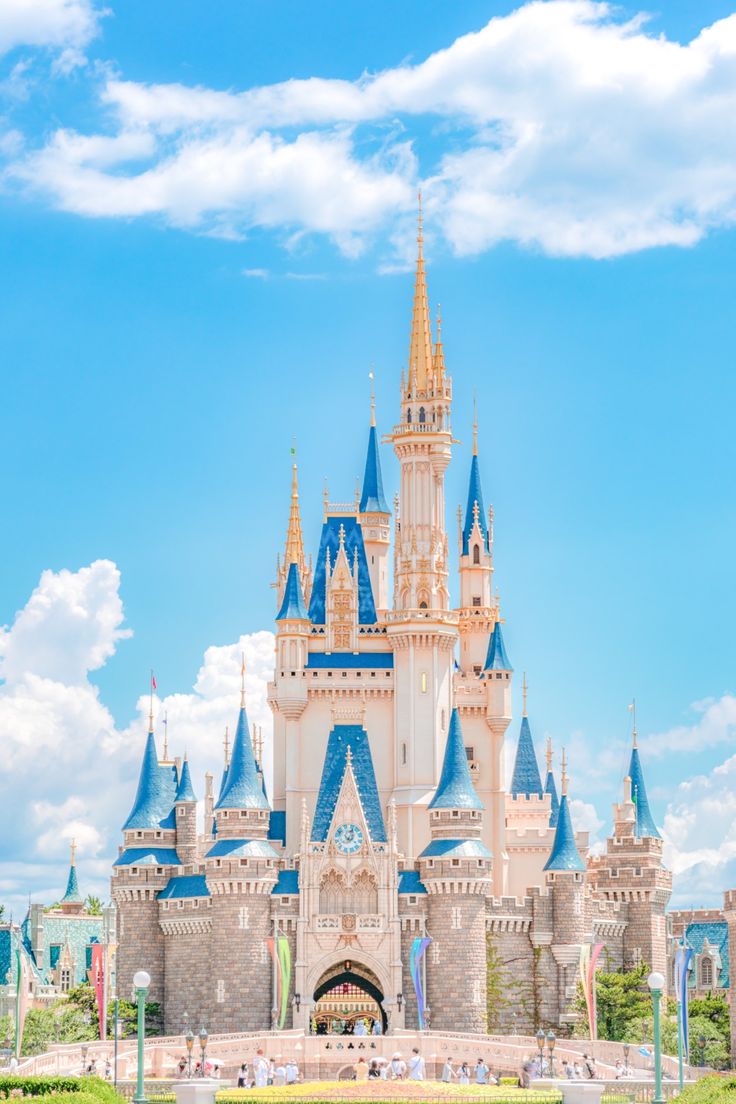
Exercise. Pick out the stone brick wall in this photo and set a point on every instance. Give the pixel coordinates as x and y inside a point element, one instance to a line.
<point>568,893</point>
<point>141,947</point>
<point>186,832</point>
<point>188,976</point>
<point>240,969</point>
<point>456,971</point>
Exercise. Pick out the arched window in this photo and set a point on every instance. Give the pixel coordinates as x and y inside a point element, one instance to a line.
<point>476,553</point>
<point>422,414</point>
<point>365,893</point>
<point>332,893</point>
<point>706,973</point>
<point>408,415</point>
<point>422,605</point>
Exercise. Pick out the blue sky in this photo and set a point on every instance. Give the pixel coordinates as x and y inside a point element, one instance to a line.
<point>191,277</point>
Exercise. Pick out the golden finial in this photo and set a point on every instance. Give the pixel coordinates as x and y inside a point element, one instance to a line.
<point>372,378</point>
<point>227,747</point>
<point>326,497</point>
<point>632,710</point>
<point>563,788</point>
<point>475,425</point>
<point>242,681</point>
<point>74,852</point>
<point>549,755</point>
<point>524,690</point>
<point>420,222</point>
<point>294,552</point>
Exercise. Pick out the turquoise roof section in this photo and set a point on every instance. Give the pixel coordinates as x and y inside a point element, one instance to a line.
<point>455,789</point>
<point>293,607</point>
<point>148,856</point>
<point>564,855</point>
<point>72,896</point>
<point>372,500</point>
<point>716,935</point>
<point>410,882</point>
<point>496,658</point>
<point>550,787</point>
<point>331,539</point>
<point>277,826</point>
<point>7,958</point>
<point>526,779</point>
<point>455,849</point>
<point>243,788</point>
<point>475,494</point>
<point>185,790</point>
<point>334,661</point>
<point>154,801</point>
<point>341,738</point>
<point>77,932</point>
<point>644,826</point>
<point>287,883</point>
<point>241,849</point>
<point>191,885</point>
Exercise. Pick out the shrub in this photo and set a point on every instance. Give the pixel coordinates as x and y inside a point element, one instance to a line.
<point>93,1088</point>
<point>710,1090</point>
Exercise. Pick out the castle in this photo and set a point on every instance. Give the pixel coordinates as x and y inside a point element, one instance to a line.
<point>389,872</point>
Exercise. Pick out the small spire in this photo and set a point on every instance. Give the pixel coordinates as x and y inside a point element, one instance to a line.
<point>326,498</point>
<point>372,378</point>
<point>342,537</point>
<point>150,709</point>
<point>420,345</point>
<point>475,425</point>
<point>357,495</point>
<point>549,755</point>
<point>632,710</point>
<point>74,852</point>
<point>227,747</point>
<point>349,756</point>
<point>166,736</point>
<point>563,780</point>
<point>438,362</point>
<point>294,551</point>
<point>242,681</point>
<point>524,691</point>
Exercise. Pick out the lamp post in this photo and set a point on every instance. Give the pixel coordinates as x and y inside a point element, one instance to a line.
<point>701,1045</point>
<point>399,1001</point>
<point>189,1040</point>
<point>203,1037</point>
<point>141,982</point>
<point>540,1044</point>
<point>551,1040</point>
<point>84,1048</point>
<point>626,1048</point>
<point>655,981</point>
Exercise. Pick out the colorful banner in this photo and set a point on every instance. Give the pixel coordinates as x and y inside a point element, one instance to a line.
<point>683,957</point>
<point>97,978</point>
<point>281,954</point>
<point>418,951</point>
<point>589,956</point>
<point>22,994</point>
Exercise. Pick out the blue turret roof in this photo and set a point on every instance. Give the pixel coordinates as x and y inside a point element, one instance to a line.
<point>455,849</point>
<point>475,495</point>
<point>455,789</point>
<point>185,790</point>
<point>342,737</point>
<point>154,801</point>
<point>72,894</point>
<point>550,787</point>
<point>526,778</point>
<point>496,658</point>
<point>645,825</point>
<point>353,540</point>
<point>185,886</point>
<point>293,607</point>
<point>242,789</point>
<point>565,854</point>
<point>372,500</point>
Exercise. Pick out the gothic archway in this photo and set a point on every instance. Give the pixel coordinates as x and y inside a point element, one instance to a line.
<point>346,1008</point>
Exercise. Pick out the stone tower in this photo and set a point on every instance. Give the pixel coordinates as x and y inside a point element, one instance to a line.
<point>375,520</point>
<point>455,867</point>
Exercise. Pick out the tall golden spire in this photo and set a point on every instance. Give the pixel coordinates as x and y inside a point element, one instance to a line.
<point>294,552</point>
<point>420,346</point>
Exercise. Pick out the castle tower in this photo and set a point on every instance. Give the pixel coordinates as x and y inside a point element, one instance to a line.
<point>496,683</point>
<point>528,808</point>
<point>290,697</point>
<point>550,787</point>
<point>241,871</point>
<point>455,867</point>
<point>146,861</point>
<point>375,520</point>
<point>185,804</point>
<point>631,872</point>
<point>571,923</point>
<point>421,629</point>
<point>72,902</point>
<point>294,548</point>
<point>475,539</point>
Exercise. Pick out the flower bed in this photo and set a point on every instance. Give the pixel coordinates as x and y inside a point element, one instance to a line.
<point>366,1092</point>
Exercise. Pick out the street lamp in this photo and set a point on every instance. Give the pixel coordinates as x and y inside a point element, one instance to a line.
<point>297,1000</point>
<point>141,982</point>
<point>701,1044</point>
<point>551,1040</point>
<point>399,1000</point>
<point>189,1040</point>
<point>655,981</point>
<point>84,1048</point>
<point>540,1044</point>
<point>626,1048</point>
<point>203,1037</point>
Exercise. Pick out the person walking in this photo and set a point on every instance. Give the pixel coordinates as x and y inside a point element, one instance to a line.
<point>260,1069</point>
<point>447,1071</point>
<point>481,1072</point>
<point>464,1074</point>
<point>416,1066</point>
<point>398,1067</point>
<point>361,1069</point>
<point>292,1072</point>
<point>243,1076</point>
<point>373,1071</point>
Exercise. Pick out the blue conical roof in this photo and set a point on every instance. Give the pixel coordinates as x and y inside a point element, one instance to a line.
<point>550,787</point>
<point>455,790</point>
<point>72,895</point>
<point>496,658</point>
<point>372,500</point>
<point>645,825</point>
<point>185,790</point>
<point>475,494</point>
<point>565,854</point>
<point>293,606</point>
<point>154,800</point>
<point>526,778</point>
<point>242,789</point>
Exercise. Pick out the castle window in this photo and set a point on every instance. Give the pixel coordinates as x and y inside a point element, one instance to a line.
<point>706,973</point>
<point>443,720</point>
<point>455,862</point>
<point>476,553</point>
<point>470,754</point>
<point>159,835</point>
<point>455,814</point>
<point>373,559</point>
<point>476,669</point>
<point>422,605</point>
<point>403,754</point>
<point>422,415</point>
<point>408,415</point>
<point>499,675</point>
<point>476,601</point>
<point>65,979</point>
<point>159,870</point>
<point>139,835</point>
<point>423,682</point>
<point>373,674</point>
<point>314,674</point>
<point>412,900</point>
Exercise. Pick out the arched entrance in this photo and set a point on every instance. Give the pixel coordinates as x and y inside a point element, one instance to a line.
<point>347,996</point>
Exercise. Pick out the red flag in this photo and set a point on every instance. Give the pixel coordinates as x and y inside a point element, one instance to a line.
<point>98,982</point>
<point>153,681</point>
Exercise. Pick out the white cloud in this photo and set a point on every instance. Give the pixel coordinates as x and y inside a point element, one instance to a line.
<point>559,126</point>
<point>63,25</point>
<point>716,725</point>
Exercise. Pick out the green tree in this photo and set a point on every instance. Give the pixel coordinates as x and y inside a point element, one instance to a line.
<point>93,905</point>
<point>623,1005</point>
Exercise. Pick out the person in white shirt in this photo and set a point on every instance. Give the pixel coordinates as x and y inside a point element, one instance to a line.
<point>13,1066</point>
<point>279,1074</point>
<point>360,1028</point>
<point>463,1076</point>
<point>398,1067</point>
<point>481,1072</point>
<point>416,1066</point>
<point>448,1072</point>
<point>292,1072</point>
<point>260,1069</point>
